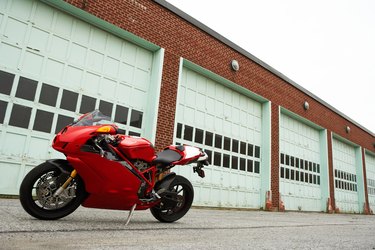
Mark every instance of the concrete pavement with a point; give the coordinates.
(199, 229)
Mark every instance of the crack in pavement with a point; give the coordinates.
(171, 228)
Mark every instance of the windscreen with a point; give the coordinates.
(92, 119)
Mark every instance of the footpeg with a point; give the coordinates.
(154, 197)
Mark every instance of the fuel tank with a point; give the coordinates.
(137, 148)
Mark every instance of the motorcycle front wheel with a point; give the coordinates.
(39, 186)
(185, 195)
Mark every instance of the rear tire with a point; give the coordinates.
(38, 187)
(185, 191)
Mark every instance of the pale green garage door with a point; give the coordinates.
(228, 126)
(345, 176)
(301, 171)
(54, 67)
(370, 174)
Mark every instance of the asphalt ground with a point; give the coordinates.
(199, 229)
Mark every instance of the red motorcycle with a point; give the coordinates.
(104, 169)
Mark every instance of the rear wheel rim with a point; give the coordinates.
(181, 198)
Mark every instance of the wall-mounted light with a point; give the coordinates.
(235, 65)
(306, 105)
(347, 129)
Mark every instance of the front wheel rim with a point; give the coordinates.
(44, 188)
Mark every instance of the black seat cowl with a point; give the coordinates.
(166, 157)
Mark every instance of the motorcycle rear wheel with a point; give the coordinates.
(185, 194)
(38, 188)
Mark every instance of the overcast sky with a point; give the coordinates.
(326, 46)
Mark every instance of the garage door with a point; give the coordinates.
(370, 173)
(228, 126)
(345, 173)
(54, 67)
(300, 166)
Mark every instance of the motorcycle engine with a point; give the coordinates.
(141, 165)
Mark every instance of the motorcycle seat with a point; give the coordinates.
(166, 157)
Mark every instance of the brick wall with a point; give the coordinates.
(179, 38)
(158, 25)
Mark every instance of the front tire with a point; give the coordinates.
(38, 188)
(185, 194)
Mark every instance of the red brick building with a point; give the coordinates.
(271, 142)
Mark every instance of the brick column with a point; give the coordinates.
(167, 101)
(366, 209)
(275, 155)
(331, 176)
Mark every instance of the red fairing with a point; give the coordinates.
(70, 139)
(110, 184)
(137, 148)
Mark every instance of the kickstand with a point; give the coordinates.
(130, 214)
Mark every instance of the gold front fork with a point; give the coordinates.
(66, 183)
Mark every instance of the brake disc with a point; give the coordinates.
(45, 189)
